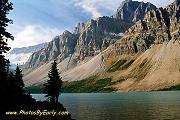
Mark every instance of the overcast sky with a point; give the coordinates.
(38, 21)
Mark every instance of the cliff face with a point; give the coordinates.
(60, 46)
(174, 14)
(132, 11)
(96, 35)
(91, 37)
(158, 25)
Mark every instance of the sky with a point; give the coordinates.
(38, 21)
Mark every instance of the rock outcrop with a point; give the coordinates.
(96, 35)
(91, 37)
(174, 14)
(158, 26)
(61, 46)
(132, 11)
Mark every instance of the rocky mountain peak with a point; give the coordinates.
(61, 46)
(132, 11)
(66, 32)
(177, 2)
(91, 37)
(159, 25)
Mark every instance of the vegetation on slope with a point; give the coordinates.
(35, 88)
(120, 65)
(143, 63)
(88, 85)
(177, 87)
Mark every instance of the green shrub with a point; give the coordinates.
(116, 66)
(143, 63)
(120, 65)
(125, 66)
(88, 85)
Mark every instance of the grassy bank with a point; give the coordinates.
(88, 85)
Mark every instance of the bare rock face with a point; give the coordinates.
(60, 46)
(91, 37)
(174, 14)
(96, 35)
(132, 11)
(158, 25)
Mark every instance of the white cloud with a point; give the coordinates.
(33, 35)
(98, 8)
(95, 7)
(89, 6)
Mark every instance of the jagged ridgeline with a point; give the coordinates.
(159, 25)
(153, 44)
(145, 58)
(91, 37)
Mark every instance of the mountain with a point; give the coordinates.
(85, 43)
(147, 57)
(92, 37)
(61, 46)
(21, 55)
(158, 26)
(132, 11)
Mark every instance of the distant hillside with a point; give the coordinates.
(21, 55)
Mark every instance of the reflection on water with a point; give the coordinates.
(122, 106)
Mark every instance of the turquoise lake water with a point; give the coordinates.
(122, 106)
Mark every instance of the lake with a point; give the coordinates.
(122, 106)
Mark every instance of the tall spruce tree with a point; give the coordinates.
(5, 7)
(54, 84)
(18, 81)
(11, 82)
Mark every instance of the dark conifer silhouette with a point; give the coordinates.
(53, 85)
(4, 69)
(18, 81)
(5, 7)
(11, 82)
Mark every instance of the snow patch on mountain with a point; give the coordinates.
(20, 58)
(21, 55)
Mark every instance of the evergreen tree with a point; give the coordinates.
(54, 84)
(11, 80)
(11, 84)
(5, 7)
(18, 81)
(4, 69)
